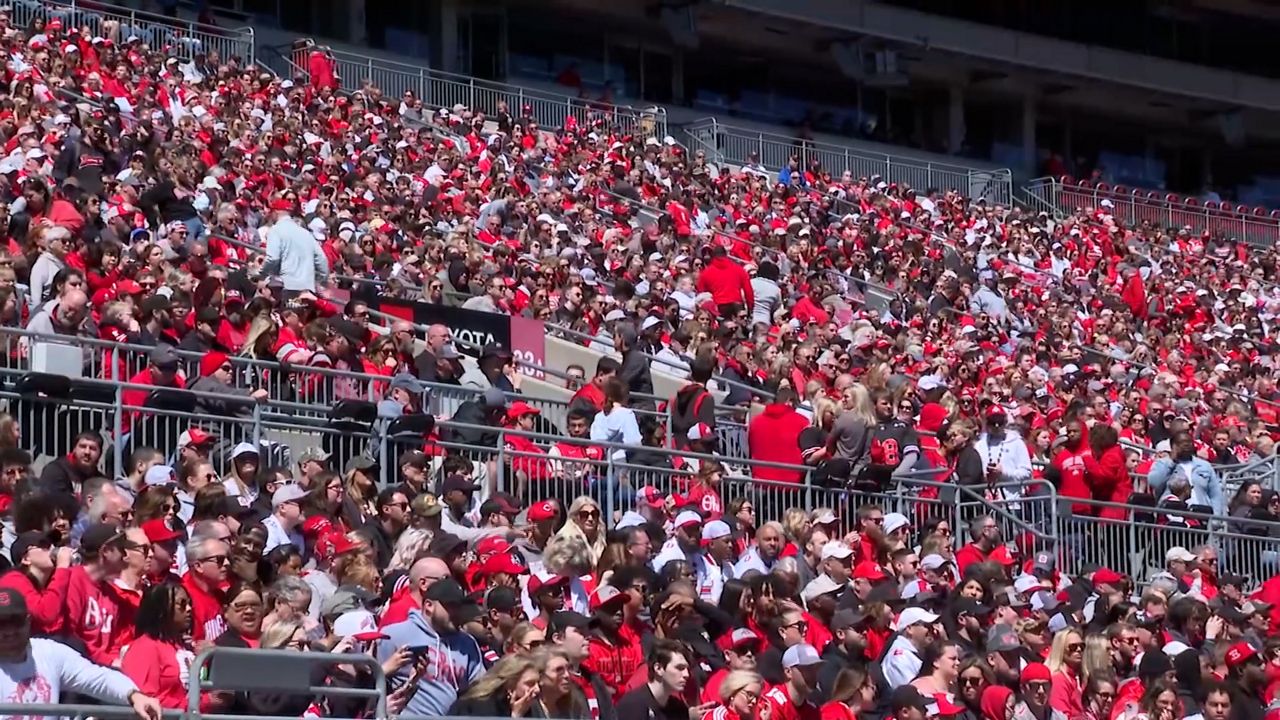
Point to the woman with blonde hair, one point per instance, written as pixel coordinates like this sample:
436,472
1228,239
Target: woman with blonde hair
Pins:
739,692
360,491
411,545
558,694
585,522
525,637
1066,662
570,556
1097,658
508,689
798,526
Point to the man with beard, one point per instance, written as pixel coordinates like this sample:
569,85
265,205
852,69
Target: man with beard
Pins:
455,657
849,649
156,321
685,542
1004,654
613,651
68,473
761,557
1123,639
1067,470
1247,675
711,566
986,536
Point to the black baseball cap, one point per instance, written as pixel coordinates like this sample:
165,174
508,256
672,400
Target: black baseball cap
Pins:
98,535
847,618
907,696
567,619
502,599
457,482
445,544
26,541
447,592
12,604
968,606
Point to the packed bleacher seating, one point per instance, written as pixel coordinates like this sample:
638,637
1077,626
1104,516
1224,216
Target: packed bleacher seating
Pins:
991,464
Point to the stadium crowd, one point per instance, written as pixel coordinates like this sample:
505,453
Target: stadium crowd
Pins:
207,206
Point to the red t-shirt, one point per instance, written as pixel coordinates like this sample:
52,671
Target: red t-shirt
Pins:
207,622
91,617
779,699
160,669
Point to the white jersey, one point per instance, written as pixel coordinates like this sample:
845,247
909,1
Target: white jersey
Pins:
51,666
902,663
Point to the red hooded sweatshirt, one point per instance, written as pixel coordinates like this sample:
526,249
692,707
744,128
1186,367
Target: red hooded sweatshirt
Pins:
1109,481
774,436
47,606
727,282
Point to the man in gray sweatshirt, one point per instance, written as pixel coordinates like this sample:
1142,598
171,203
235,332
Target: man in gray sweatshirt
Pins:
294,253
453,658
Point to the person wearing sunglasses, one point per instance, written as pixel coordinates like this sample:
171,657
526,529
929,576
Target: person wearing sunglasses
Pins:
208,560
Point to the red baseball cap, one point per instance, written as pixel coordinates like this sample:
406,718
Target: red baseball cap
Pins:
545,510
521,408
1239,654
607,595
503,563
157,531
491,545
1107,576
651,496
740,637
868,570
542,580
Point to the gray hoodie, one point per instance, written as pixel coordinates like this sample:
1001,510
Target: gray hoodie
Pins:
454,663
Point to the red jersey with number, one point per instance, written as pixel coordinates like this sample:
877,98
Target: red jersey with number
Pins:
91,616
707,500
779,699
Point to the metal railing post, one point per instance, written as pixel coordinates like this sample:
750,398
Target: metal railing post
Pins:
612,485
257,425
500,472
118,430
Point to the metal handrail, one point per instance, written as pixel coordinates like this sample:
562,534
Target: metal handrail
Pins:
549,108
1258,231
775,150
228,42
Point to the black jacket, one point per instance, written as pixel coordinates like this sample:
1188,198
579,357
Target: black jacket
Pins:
61,476
635,373
639,704
471,412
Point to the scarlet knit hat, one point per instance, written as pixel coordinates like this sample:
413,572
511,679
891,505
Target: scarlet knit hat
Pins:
1036,672
210,363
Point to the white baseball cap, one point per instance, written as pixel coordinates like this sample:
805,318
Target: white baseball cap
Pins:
158,475
688,517
1177,552
359,625
820,585
836,549
801,655
913,616
894,522
715,530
